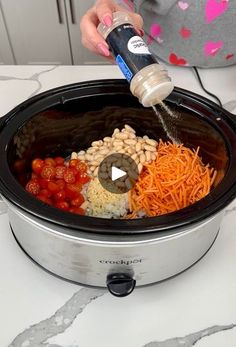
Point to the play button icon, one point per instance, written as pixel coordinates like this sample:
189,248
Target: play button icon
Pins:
118,173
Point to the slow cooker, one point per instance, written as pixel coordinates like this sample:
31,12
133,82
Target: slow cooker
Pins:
102,252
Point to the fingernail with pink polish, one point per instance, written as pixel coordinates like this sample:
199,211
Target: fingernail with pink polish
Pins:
141,32
107,20
103,49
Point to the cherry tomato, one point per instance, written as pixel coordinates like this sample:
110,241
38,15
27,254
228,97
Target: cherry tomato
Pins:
82,178
59,160
69,176
37,165
73,163
61,183
74,170
33,187
72,191
81,166
57,184
34,176
63,205
43,182
78,201
77,210
48,172
50,161
44,199
53,187
60,196
45,192
60,170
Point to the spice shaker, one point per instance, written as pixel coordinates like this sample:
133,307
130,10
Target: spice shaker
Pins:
149,81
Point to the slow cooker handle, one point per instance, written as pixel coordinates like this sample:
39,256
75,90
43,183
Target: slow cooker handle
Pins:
3,121
3,205
120,284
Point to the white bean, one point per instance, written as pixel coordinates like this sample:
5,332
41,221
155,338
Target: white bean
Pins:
74,155
91,150
97,143
134,156
151,142
153,156
138,146
118,143
104,151
84,205
88,157
132,136
129,128
107,139
118,148
116,131
95,163
122,136
142,158
150,148
130,142
131,150
148,156
98,156
140,167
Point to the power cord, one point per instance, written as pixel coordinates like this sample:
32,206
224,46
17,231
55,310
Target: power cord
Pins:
205,90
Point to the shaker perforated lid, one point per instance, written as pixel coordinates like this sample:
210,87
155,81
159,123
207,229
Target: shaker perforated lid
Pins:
156,94
151,85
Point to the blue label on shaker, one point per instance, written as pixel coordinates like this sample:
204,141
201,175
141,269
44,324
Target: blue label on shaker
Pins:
129,49
124,68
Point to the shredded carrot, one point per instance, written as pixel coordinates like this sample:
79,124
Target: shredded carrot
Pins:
176,179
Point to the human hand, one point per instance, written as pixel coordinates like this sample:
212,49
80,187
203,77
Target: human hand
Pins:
102,12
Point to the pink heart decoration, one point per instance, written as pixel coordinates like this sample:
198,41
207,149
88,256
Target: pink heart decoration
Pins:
229,56
185,32
212,48
183,5
214,9
155,32
175,60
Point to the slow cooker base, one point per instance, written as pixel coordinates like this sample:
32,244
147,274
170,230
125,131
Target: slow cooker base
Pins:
91,286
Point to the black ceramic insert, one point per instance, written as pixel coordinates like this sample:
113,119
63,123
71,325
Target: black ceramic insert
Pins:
69,118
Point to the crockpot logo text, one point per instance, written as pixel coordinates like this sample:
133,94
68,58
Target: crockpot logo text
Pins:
121,262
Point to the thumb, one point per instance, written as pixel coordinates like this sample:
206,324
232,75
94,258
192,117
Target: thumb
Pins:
137,20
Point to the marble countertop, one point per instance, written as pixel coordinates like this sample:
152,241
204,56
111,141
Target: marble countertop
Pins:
196,308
